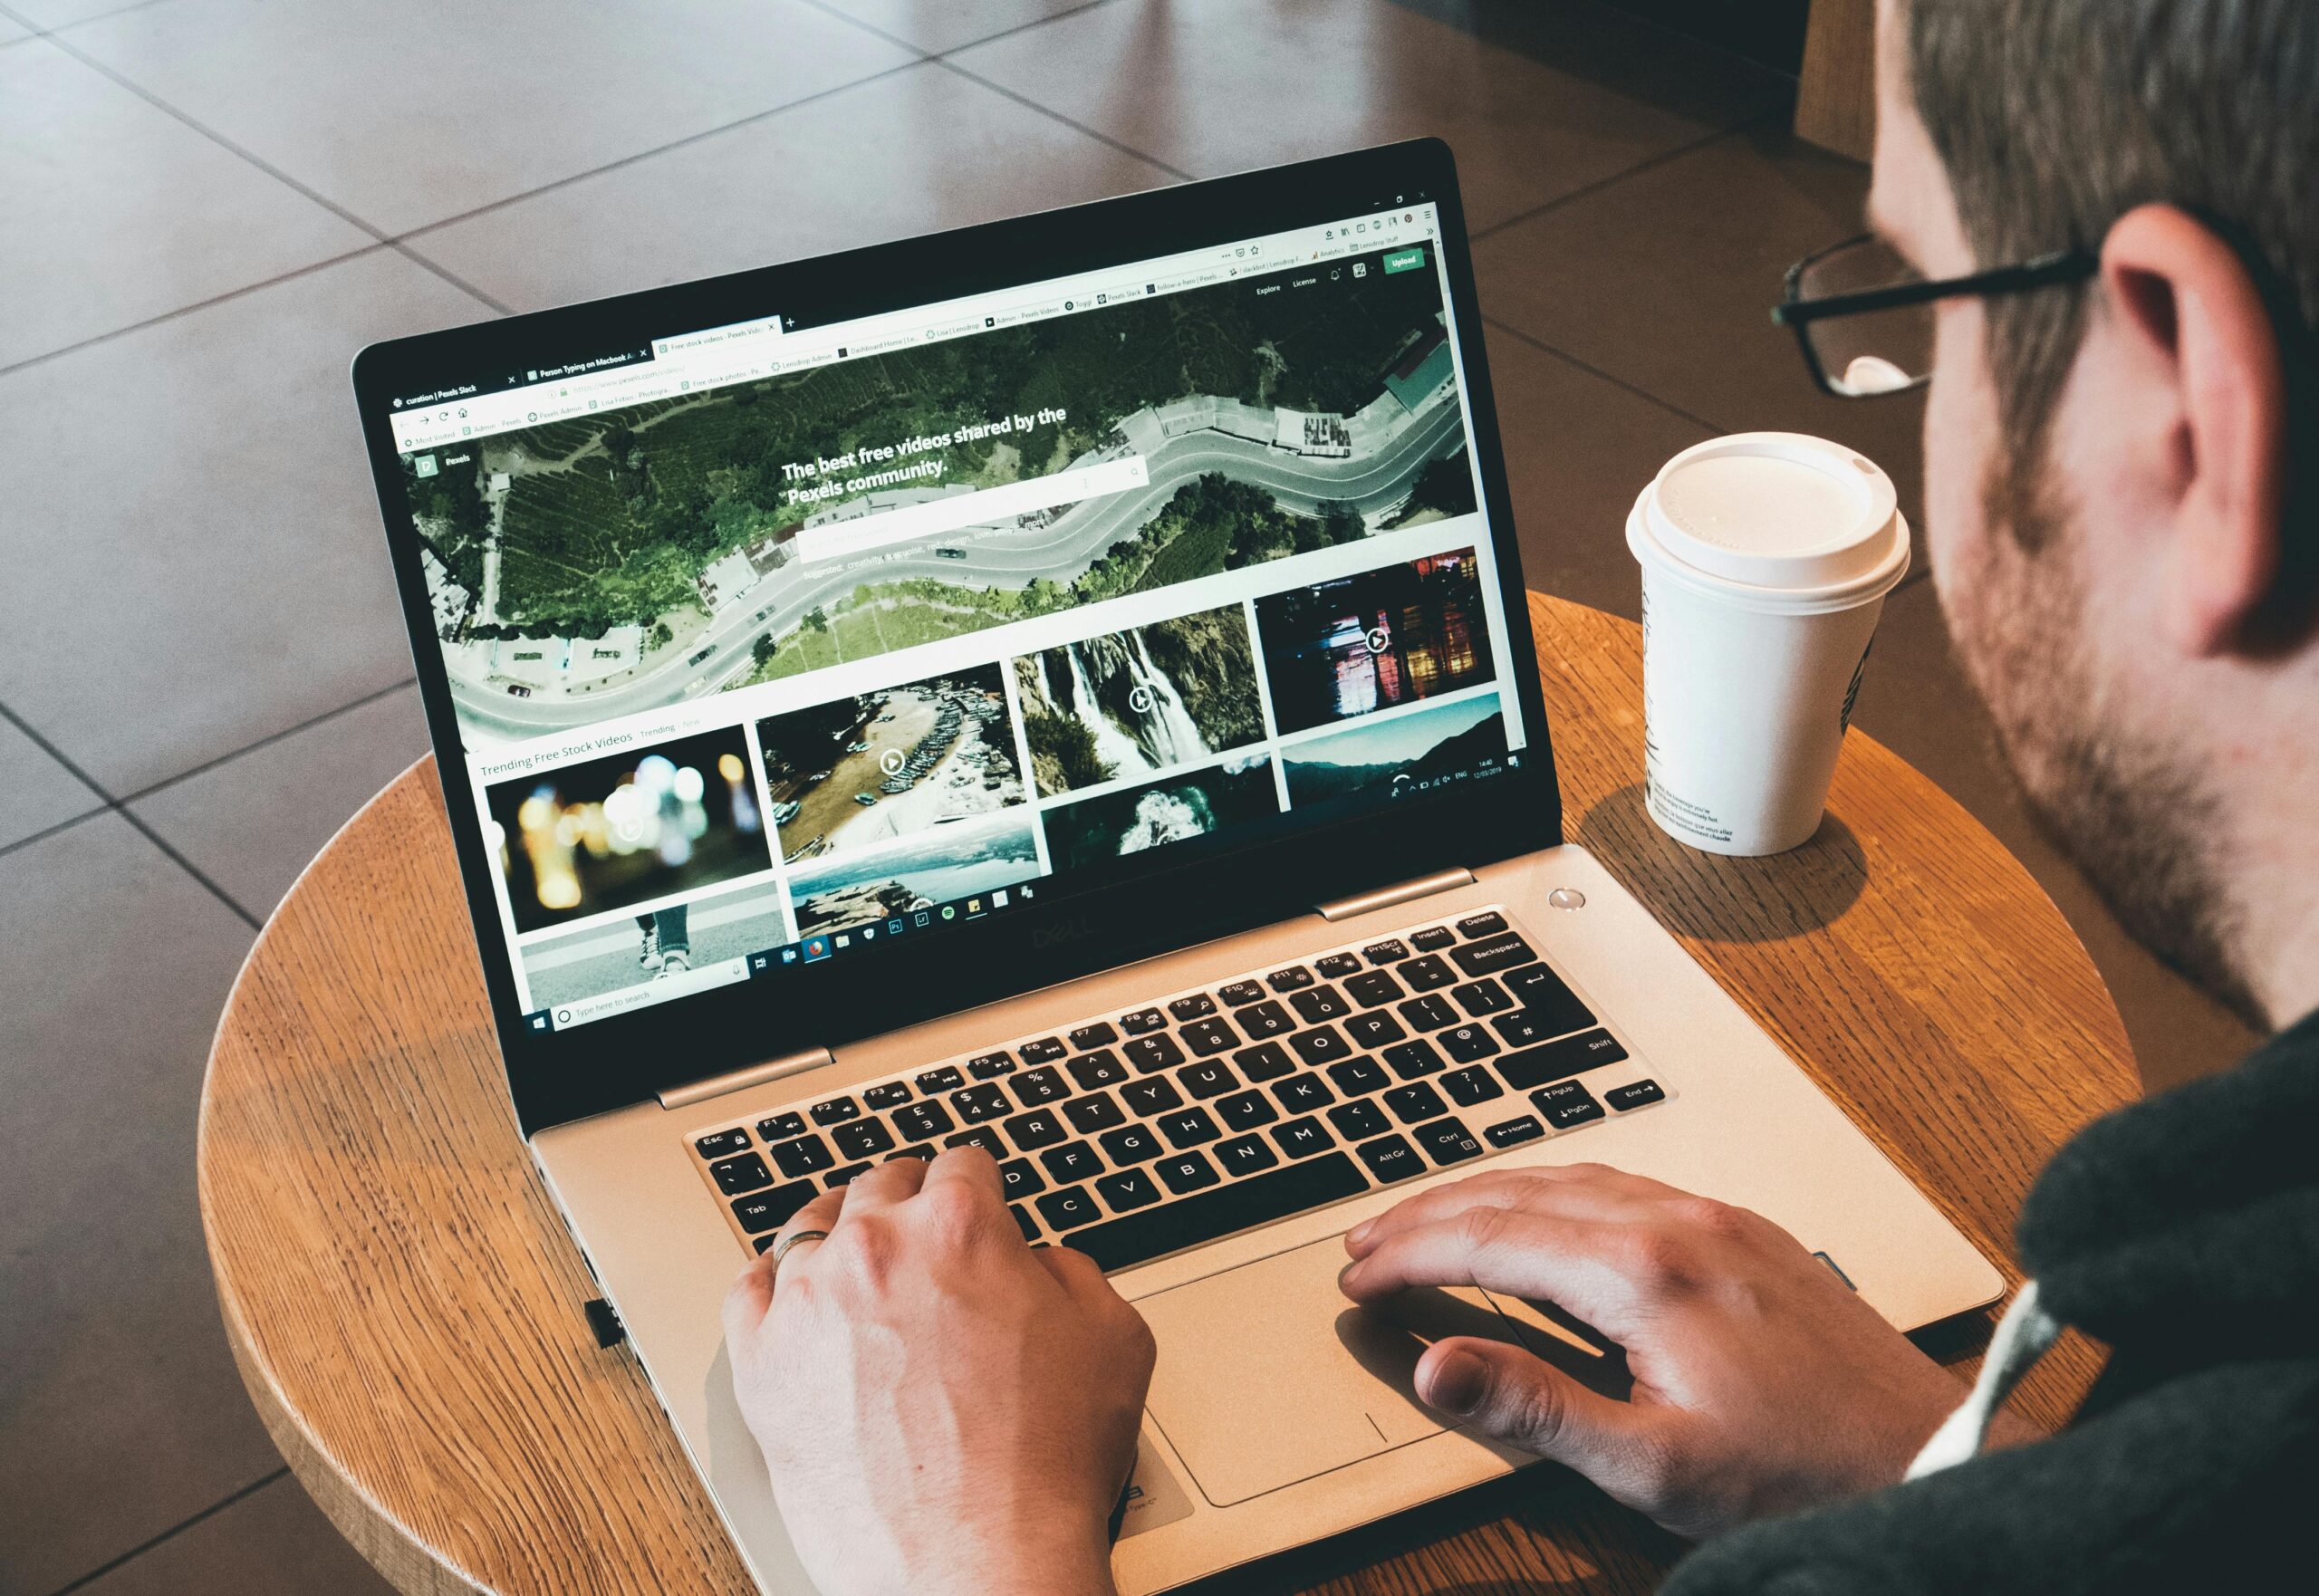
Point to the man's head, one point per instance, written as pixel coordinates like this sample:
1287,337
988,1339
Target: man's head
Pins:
2125,548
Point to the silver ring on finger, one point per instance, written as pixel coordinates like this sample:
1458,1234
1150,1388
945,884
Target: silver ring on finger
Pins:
781,1248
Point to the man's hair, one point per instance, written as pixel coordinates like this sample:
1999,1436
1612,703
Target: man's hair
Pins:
2055,118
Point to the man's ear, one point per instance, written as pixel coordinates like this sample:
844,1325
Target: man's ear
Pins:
2175,285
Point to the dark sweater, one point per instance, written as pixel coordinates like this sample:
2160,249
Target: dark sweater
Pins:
2183,1232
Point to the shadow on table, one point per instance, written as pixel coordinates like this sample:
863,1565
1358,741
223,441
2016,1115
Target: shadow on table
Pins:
1722,900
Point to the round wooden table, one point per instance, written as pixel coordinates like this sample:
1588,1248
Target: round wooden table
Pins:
405,1305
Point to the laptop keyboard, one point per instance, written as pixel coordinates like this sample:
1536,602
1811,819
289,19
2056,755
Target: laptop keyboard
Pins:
1213,1110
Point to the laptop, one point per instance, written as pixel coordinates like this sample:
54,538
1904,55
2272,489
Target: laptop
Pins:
1062,685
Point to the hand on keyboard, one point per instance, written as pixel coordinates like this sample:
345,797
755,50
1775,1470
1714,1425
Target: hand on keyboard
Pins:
942,1407
1761,1383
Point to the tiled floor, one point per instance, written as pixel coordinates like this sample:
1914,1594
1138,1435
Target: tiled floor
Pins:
211,204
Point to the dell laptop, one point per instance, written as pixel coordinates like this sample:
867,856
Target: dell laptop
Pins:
1062,685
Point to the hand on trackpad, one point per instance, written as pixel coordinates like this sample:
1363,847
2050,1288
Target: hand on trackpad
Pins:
1266,1377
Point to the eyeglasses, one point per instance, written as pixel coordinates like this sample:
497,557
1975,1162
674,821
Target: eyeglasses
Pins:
1863,317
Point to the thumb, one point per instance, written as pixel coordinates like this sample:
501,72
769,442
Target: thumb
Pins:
1515,1397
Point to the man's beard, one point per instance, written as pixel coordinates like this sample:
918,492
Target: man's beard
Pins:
2133,816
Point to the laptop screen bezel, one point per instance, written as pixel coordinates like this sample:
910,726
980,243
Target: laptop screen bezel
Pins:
1209,892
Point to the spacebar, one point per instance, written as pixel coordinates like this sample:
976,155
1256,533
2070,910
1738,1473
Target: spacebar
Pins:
1205,1216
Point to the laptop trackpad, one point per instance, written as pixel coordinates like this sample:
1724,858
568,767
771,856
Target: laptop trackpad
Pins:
1267,1375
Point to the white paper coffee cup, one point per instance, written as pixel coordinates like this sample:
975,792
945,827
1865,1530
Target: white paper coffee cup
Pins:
1765,559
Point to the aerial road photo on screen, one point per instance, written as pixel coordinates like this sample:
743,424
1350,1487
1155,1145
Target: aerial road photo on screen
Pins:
617,562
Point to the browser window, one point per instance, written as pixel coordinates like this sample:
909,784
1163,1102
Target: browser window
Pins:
770,642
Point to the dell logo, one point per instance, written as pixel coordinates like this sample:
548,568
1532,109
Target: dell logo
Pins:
1055,933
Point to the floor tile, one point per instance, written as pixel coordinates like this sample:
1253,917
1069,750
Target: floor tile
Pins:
1211,86
195,493
13,32
273,1542
1667,280
35,792
1916,701
123,1414
404,114
118,212
935,25
251,823
919,150
1577,451
64,14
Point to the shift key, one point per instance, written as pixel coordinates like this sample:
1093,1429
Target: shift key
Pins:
1534,1066
1220,1211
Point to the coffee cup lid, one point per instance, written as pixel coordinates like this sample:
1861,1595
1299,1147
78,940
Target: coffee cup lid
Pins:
1781,511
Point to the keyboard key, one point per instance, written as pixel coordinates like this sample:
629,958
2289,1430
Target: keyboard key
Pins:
1412,1103
1432,939
1412,1060
1073,1160
864,1139
1210,1078
762,1242
1446,1141
1034,1087
782,1125
1302,1093
1206,1036
746,1173
1320,1045
719,1144
1130,1189
1566,1103
893,1094
1373,1031
845,1175
1535,1066
1355,1121
1429,1012
1536,987
1267,1061
934,1083
1385,952
1069,1208
1481,925
1525,1026
990,1066
1155,1096
1197,1005
1465,1043
987,1138
1321,1003
1187,1127
1044,1050
1131,1144
1482,998
1245,1154
1373,988
1391,1159
1030,1227
1185,1172
1469,1086
1300,1138
1150,1054
1019,1177
977,1103
924,1155
1266,1019
1429,973
1295,978
1258,1200
1356,1076
1240,992
1099,1033
1246,1111
1090,1114
1143,1022
1500,950
1039,1127
806,1154
770,1210
1634,1094
1336,966
918,1121
835,1111
1099,1069
1508,1132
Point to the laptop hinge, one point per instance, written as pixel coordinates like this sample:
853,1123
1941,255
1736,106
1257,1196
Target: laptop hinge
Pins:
788,1063
1344,908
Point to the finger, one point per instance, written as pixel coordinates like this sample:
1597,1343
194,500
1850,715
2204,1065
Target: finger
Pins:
1075,1271
968,1166
1516,1398
1577,1191
1580,1266
895,1181
751,1298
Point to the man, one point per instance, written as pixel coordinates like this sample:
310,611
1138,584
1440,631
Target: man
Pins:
2124,526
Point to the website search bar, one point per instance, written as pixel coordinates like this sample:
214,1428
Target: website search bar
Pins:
910,522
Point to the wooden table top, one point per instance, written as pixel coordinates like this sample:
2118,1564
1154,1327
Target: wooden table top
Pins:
404,1302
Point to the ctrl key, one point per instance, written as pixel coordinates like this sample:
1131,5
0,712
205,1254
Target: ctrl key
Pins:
767,1210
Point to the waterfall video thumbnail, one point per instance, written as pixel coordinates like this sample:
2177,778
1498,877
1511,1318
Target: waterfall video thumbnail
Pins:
605,833
1414,753
1138,702
936,867
1375,639
1196,803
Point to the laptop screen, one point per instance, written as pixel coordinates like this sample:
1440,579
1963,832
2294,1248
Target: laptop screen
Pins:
773,642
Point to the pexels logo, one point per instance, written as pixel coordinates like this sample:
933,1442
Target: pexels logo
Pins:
1062,932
